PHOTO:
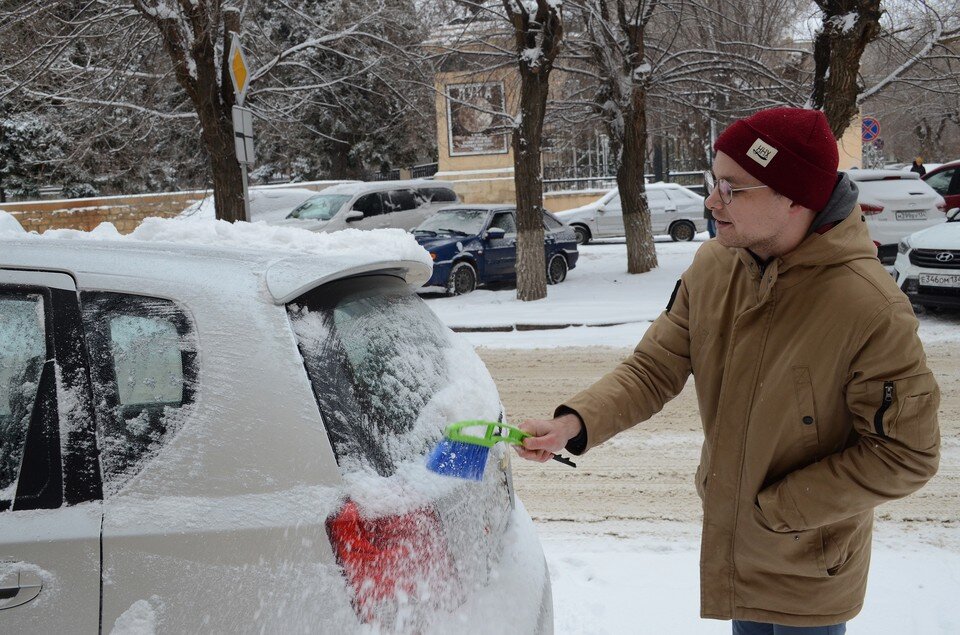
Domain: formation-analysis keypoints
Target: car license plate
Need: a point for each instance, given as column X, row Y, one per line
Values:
column 911, row 216
column 939, row 280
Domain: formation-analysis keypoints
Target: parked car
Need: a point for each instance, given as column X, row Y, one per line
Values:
column 896, row 203
column 400, row 204
column 183, row 452
column 928, row 264
column 268, row 203
column 475, row 244
column 945, row 180
column 674, row 210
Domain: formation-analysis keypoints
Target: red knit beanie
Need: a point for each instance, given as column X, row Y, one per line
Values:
column 790, row 149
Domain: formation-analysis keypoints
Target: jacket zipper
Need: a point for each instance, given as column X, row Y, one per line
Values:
column 887, row 400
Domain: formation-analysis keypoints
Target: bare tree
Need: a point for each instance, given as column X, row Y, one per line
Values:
column 94, row 54
column 847, row 28
column 538, row 31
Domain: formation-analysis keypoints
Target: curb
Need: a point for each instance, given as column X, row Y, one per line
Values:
column 532, row 327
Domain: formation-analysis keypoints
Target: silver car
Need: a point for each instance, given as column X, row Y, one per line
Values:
column 211, row 439
column 377, row 205
column 674, row 210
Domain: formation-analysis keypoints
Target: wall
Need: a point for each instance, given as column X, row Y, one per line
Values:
column 125, row 212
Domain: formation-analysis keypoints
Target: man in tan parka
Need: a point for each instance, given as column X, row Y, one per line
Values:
column 816, row 401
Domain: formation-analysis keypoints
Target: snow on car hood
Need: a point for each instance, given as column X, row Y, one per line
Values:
column 939, row 236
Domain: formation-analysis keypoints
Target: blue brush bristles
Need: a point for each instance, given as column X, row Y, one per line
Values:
column 459, row 459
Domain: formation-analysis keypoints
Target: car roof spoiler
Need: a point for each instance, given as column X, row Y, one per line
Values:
column 289, row 278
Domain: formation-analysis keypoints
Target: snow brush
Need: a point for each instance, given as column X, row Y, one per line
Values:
column 465, row 455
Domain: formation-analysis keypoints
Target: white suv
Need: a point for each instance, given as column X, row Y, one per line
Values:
column 231, row 437
column 928, row 264
column 895, row 204
column 674, row 210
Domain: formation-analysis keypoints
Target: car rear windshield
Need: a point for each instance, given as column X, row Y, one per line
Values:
column 323, row 207
column 376, row 356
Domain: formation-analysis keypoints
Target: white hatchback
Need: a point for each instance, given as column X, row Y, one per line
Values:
column 928, row 264
column 895, row 204
column 674, row 210
column 230, row 436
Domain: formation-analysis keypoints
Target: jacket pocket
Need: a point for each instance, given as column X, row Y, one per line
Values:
column 798, row 553
column 806, row 407
column 844, row 540
column 906, row 410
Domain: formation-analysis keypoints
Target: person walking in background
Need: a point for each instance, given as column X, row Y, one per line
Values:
column 711, row 224
column 816, row 401
column 918, row 166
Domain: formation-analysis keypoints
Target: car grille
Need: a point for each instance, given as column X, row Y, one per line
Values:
column 928, row 258
column 939, row 291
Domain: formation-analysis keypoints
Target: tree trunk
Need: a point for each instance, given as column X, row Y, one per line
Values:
column 210, row 90
column 528, row 181
column 538, row 34
column 641, row 253
column 836, row 52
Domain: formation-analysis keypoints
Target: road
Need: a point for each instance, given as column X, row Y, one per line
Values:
column 646, row 473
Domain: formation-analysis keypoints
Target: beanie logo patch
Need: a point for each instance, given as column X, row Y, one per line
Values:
column 761, row 152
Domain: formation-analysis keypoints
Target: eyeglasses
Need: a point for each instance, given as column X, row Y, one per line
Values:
column 723, row 186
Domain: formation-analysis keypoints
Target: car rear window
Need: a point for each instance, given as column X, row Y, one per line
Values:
column 437, row 195
column 549, row 222
column 144, row 370
column 376, row 356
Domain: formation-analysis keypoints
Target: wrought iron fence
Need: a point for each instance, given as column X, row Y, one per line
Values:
column 389, row 175
column 568, row 177
column 423, row 171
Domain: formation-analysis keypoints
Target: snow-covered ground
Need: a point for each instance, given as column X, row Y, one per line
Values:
column 615, row 577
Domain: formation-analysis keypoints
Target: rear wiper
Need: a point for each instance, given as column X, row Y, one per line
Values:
column 424, row 231
column 455, row 232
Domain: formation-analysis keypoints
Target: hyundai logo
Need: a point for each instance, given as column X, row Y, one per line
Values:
column 944, row 256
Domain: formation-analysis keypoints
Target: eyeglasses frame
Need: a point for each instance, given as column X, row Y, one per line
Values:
column 708, row 177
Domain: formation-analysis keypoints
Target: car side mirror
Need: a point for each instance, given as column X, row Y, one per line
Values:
column 353, row 215
column 602, row 208
column 953, row 214
column 495, row 233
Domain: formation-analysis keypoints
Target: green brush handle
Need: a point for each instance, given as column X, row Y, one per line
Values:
column 508, row 434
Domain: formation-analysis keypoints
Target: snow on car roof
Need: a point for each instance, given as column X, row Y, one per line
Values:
column 879, row 175
column 379, row 186
column 291, row 260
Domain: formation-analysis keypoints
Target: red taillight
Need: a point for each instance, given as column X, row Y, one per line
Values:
column 942, row 207
column 390, row 559
column 870, row 210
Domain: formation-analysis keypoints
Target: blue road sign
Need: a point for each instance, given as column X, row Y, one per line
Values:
column 870, row 129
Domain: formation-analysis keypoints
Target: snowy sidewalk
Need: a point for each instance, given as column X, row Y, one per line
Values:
column 646, row 580
column 597, row 292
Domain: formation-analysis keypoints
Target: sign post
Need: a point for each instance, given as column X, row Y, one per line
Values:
column 242, row 117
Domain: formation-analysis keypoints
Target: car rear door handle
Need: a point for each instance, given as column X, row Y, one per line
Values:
column 18, row 587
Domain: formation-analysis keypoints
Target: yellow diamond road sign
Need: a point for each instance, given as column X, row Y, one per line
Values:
column 239, row 70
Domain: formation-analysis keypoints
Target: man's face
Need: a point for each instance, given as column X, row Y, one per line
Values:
column 754, row 219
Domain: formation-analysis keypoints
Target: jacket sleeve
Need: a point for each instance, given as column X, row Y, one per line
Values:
column 893, row 399
column 642, row 383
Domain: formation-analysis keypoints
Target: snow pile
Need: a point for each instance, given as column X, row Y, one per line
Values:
column 139, row 619
column 9, row 224
column 387, row 244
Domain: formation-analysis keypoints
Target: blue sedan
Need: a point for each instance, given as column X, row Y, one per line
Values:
column 477, row 244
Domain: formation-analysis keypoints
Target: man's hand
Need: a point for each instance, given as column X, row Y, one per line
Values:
column 549, row 436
